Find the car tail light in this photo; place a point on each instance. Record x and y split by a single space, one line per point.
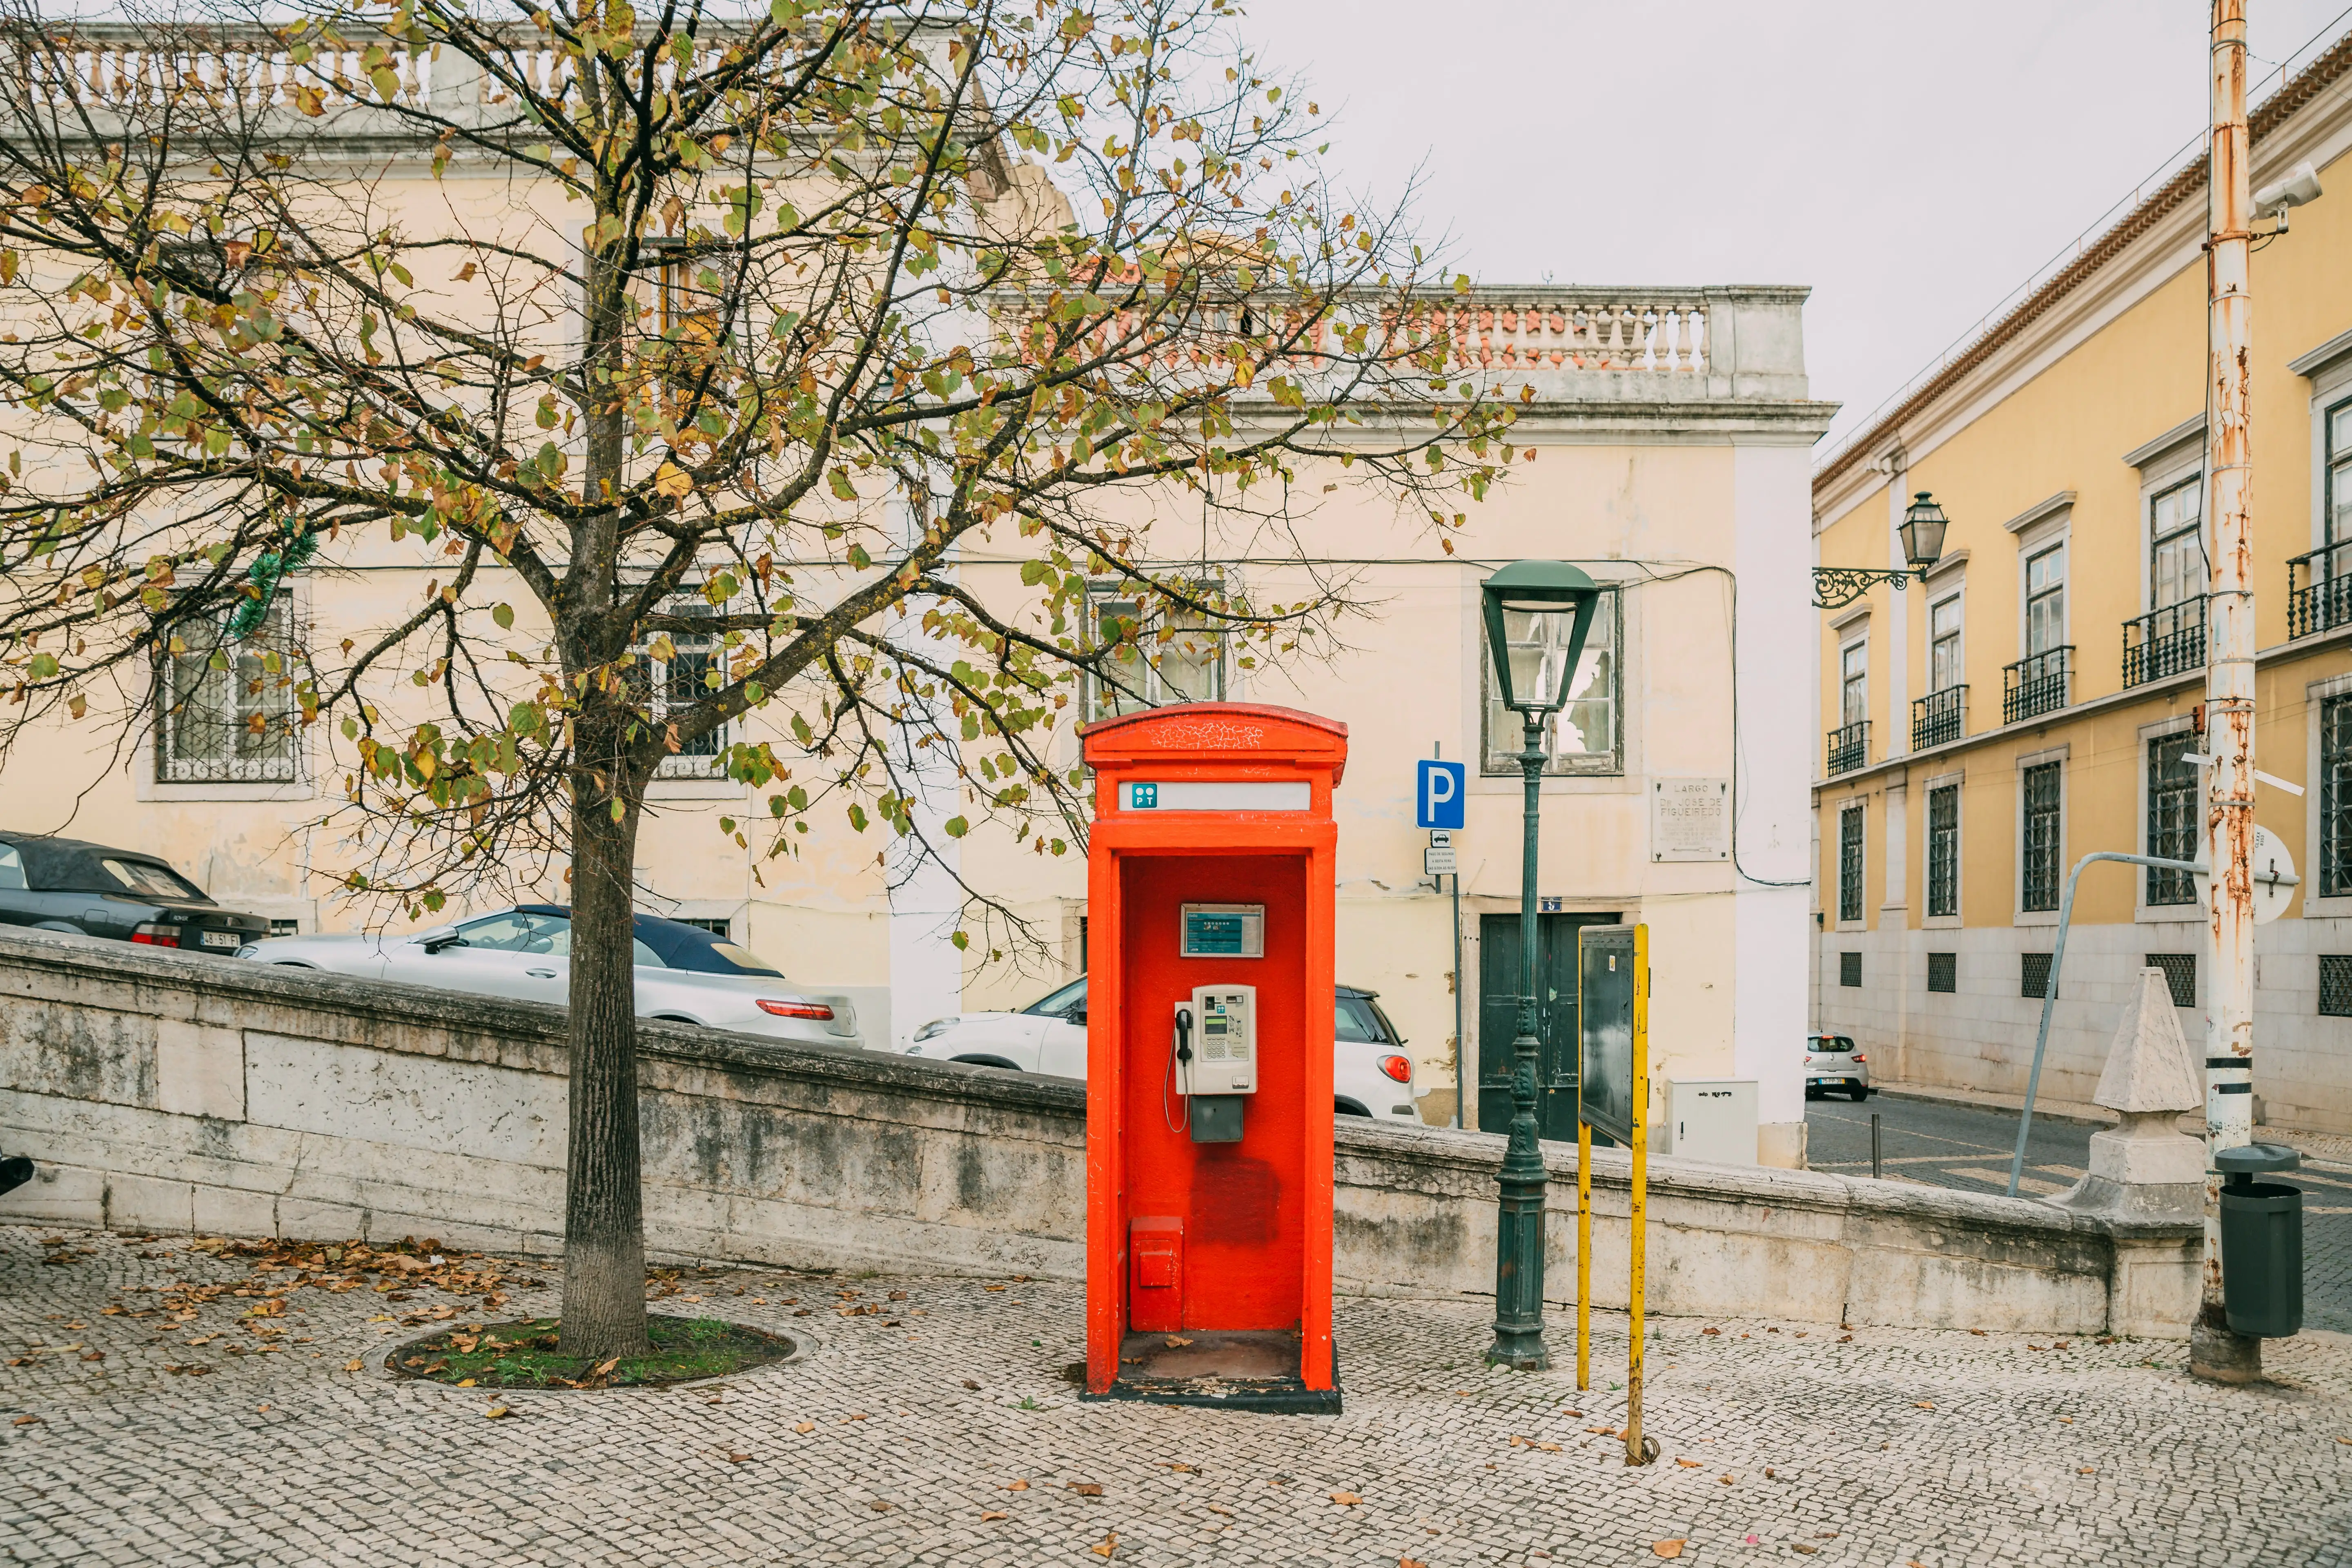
816 1010
1397 1067
156 935
1858 1056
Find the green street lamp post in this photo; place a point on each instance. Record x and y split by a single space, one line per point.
1549 604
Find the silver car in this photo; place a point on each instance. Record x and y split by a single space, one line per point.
684 974
1833 1061
1370 1073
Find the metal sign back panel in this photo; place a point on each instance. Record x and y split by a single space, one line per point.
1604 1079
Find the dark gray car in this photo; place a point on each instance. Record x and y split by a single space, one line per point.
67 884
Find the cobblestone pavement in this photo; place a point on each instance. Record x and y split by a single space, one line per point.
1969 1147
904 1435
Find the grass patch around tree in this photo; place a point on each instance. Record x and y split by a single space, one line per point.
527 1355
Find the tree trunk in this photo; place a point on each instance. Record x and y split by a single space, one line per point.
604 1210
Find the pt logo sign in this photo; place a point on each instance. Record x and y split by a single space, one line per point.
1437 793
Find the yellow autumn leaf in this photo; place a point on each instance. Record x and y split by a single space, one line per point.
674 481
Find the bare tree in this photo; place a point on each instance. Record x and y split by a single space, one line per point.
646 331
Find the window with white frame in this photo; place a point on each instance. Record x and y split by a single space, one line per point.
1944 644
2045 600
1943 850
1152 659
678 667
226 711
1585 736
2172 817
2176 572
2335 855
1853 682
1850 863
2335 482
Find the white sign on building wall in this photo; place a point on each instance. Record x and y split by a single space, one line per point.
1690 819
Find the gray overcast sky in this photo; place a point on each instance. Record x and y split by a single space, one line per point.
1912 162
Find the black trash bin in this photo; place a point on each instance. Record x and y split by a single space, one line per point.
2262 1241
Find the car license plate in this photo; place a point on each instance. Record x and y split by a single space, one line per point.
223 939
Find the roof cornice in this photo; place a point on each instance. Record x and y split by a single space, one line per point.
2312 85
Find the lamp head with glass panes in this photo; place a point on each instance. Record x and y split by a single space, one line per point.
1923 531
1537 614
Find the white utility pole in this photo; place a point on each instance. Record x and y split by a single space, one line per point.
2214 1351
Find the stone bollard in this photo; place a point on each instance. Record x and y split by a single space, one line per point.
2144 1169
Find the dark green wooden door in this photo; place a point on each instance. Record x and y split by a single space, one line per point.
1498 1019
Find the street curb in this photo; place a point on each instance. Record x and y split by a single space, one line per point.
1917 1098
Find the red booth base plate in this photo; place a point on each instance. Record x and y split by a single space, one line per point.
1229 1369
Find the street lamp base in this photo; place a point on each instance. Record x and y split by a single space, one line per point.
1521 1350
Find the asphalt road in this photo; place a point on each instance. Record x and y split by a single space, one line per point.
1963 1146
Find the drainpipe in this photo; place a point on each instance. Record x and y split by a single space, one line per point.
2214 1352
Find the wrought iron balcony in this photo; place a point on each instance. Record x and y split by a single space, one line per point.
2319 589
1849 747
2169 641
1939 717
2036 683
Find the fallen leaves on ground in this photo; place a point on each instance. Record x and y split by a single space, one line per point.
1106 1546
2085 1471
498 1413
1215 1508
1181 1468
1177 1342
1016 1486
878 1506
1086 1488
1923 1405
25 1421
1846 1339
973 1383
1800 1547
1345 1500
353 1365
1686 1464
993 1514
1666 1548
806 1428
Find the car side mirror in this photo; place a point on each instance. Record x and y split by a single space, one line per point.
439 937
1076 1014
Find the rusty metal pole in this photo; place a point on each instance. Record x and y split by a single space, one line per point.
2214 1352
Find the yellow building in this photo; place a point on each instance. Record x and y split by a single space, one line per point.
2038 697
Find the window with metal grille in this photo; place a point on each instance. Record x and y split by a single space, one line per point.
674 674
1850 864
2179 975
2033 974
2335 797
717 926
2335 984
1943 850
1944 972
2040 831
1849 969
228 713
2172 819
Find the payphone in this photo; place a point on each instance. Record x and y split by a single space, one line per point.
1213 1059
1212 889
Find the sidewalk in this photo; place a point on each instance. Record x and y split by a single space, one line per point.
2321 1148
165 1403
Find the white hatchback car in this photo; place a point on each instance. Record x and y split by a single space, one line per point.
684 974
1833 1061
1370 1073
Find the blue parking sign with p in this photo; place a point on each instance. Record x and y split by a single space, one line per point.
1437 794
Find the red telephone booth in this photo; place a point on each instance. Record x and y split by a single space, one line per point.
1211 880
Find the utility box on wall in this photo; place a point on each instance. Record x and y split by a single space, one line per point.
1211 911
1712 1119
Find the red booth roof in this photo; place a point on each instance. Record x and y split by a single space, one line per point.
1240 732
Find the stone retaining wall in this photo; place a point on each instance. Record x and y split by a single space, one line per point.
181 1092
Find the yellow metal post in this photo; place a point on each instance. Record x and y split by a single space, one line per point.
1639 1450
1583 1254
